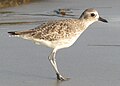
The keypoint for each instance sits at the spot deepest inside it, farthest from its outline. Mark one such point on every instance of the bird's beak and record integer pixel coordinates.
(103, 20)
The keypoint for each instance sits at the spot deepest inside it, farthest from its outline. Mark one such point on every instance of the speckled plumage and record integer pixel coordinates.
(57, 30)
(60, 33)
(54, 30)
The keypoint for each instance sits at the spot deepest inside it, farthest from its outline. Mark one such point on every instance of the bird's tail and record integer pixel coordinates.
(13, 33)
(21, 32)
(24, 34)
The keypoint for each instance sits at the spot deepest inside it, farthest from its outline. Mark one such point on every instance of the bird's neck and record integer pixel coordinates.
(85, 23)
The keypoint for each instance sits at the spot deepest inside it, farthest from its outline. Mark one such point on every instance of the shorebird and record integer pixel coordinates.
(60, 34)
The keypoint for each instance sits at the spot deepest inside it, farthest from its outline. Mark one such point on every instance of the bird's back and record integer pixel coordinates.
(57, 30)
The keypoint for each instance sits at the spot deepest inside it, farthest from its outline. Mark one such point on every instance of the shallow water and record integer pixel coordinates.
(94, 60)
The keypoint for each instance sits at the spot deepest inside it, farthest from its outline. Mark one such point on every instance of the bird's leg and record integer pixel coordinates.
(54, 64)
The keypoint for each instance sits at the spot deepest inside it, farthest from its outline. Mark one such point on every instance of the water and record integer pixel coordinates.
(93, 60)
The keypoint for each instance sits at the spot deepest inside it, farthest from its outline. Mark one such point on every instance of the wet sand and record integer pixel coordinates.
(93, 60)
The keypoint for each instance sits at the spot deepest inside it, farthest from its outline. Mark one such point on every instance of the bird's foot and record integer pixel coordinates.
(61, 78)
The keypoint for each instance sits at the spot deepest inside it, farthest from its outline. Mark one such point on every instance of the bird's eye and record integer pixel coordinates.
(92, 14)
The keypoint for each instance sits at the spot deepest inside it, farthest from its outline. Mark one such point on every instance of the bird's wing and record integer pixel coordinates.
(53, 31)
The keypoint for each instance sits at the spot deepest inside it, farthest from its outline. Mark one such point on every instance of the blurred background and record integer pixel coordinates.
(11, 3)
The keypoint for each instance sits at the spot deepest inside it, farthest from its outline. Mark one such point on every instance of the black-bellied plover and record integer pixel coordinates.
(60, 33)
